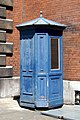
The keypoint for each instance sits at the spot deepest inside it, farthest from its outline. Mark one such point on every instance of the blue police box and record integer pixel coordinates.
(41, 83)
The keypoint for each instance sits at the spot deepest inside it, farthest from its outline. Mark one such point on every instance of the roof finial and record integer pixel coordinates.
(41, 14)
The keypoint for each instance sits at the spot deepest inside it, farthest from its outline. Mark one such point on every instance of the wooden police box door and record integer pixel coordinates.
(55, 72)
(48, 71)
(41, 55)
(27, 69)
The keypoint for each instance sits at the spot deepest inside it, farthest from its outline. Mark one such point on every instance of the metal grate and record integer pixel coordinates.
(77, 97)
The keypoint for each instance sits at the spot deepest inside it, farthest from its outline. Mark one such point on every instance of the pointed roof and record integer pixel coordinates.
(40, 21)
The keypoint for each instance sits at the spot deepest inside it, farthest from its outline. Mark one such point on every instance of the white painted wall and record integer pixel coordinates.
(9, 87)
(69, 88)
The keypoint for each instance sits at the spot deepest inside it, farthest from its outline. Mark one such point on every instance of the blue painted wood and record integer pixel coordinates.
(55, 84)
(27, 68)
(40, 86)
(55, 78)
(41, 58)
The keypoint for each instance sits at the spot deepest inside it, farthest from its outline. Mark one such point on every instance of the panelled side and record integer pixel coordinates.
(27, 69)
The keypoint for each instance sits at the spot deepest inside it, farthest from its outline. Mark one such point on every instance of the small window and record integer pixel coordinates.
(77, 97)
(54, 53)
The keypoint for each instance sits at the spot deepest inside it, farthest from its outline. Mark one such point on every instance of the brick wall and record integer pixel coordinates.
(63, 11)
(6, 48)
(16, 15)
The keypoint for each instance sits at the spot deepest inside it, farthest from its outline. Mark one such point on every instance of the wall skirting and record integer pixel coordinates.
(9, 87)
(69, 88)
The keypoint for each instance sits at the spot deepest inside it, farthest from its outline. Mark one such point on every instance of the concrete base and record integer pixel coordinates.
(9, 87)
(67, 112)
(69, 88)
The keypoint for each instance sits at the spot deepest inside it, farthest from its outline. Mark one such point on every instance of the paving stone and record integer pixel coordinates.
(67, 112)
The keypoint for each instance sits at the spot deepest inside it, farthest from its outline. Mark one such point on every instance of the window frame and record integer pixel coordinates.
(57, 37)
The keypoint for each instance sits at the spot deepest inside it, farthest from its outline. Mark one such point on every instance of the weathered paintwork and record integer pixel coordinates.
(41, 21)
(40, 86)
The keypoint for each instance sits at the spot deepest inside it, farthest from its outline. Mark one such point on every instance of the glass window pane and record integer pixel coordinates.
(54, 53)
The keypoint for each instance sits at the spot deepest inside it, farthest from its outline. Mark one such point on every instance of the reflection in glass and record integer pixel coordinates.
(54, 54)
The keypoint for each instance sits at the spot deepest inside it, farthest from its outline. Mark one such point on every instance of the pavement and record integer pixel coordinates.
(67, 112)
(10, 110)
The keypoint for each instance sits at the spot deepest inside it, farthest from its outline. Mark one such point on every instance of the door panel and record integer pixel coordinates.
(27, 85)
(55, 84)
(27, 91)
(41, 69)
(27, 70)
(42, 88)
(42, 58)
(55, 72)
(27, 56)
